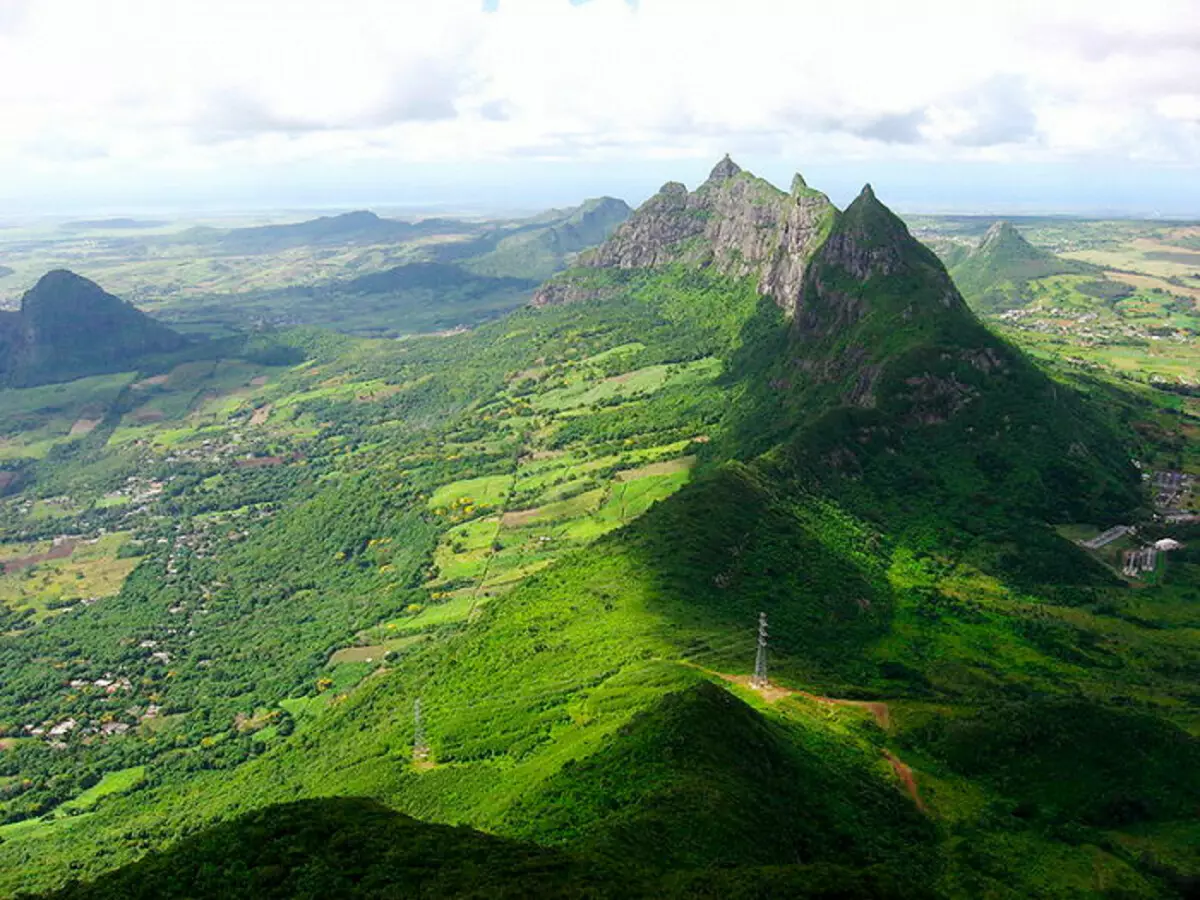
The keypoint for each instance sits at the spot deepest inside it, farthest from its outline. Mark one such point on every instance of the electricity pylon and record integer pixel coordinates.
(760, 659)
(420, 747)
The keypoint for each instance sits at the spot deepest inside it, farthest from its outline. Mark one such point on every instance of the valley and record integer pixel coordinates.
(540, 477)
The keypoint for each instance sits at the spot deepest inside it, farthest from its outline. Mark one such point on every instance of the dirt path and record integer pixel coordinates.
(905, 773)
(773, 693)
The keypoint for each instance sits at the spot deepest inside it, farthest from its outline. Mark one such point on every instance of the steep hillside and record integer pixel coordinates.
(888, 389)
(549, 242)
(345, 848)
(68, 327)
(995, 275)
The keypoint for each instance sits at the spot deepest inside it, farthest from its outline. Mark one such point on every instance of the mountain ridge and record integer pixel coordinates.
(739, 224)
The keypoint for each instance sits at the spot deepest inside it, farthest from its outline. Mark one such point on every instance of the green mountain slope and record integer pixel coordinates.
(546, 244)
(888, 389)
(344, 848)
(69, 327)
(880, 480)
(995, 275)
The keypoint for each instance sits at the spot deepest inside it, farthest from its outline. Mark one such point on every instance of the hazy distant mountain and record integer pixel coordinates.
(69, 326)
(548, 243)
(5, 271)
(348, 228)
(120, 224)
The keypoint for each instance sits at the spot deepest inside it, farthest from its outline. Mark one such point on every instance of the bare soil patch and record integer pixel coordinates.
(258, 380)
(774, 693)
(61, 550)
(358, 654)
(258, 462)
(84, 426)
(905, 773)
(149, 382)
(669, 467)
(261, 415)
(520, 517)
(145, 416)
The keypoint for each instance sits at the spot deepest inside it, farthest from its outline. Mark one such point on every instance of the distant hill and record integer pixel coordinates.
(434, 276)
(118, 224)
(348, 228)
(995, 275)
(5, 271)
(69, 327)
(540, 249)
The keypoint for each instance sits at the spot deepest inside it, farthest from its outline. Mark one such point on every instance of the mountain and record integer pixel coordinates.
(995, 275)
(433, 276)
(5, 271)
(69, 326)
(116, 224)
(734, 222)
(961, 703)
(542, 246)
(361, 226)
(890, 388)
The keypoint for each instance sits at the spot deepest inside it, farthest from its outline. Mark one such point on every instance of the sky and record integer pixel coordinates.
(119, 106)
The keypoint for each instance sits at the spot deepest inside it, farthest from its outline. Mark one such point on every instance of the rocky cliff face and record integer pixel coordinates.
(871, 294)
(738, 223)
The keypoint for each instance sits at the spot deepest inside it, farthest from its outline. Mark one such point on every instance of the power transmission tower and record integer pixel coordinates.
(420, 747)
(760, 659)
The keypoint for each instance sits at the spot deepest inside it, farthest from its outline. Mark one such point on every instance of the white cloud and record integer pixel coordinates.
(197, 85)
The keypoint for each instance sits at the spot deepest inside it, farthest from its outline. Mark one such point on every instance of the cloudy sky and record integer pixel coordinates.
(123, 105)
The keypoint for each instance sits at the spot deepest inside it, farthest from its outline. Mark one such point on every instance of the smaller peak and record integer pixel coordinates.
(673, 189)
(724, 170)
(799, 185)
(1001, 228)
(867, 193)
(1002, 234)
(60, 280)
(358, 215)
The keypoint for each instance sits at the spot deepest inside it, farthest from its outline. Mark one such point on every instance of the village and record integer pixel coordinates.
(1172, 497)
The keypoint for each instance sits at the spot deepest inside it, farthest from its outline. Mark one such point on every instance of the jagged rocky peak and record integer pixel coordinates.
(735, 222)
(869, 243)
(870, 239)
(723, 171)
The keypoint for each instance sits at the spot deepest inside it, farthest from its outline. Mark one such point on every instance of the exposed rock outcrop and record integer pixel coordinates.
(738, 223)
(870, 242)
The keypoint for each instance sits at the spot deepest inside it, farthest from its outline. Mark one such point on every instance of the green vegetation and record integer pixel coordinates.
(556, 531)
(68, 327)
(995, 276)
